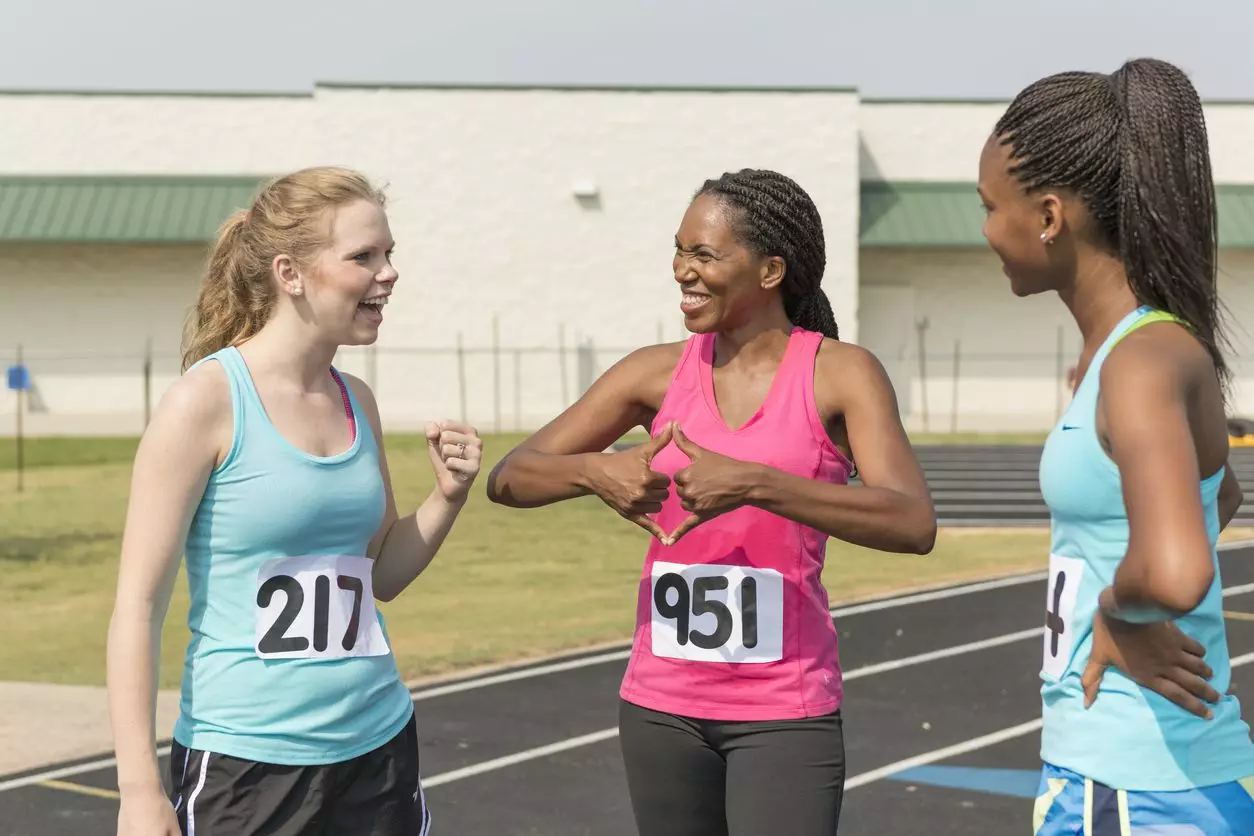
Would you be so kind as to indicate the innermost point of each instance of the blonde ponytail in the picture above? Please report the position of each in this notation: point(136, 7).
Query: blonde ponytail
point(288, 216)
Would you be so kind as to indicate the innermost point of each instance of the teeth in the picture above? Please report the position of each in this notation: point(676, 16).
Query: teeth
point(694, 299)
point(380, 301)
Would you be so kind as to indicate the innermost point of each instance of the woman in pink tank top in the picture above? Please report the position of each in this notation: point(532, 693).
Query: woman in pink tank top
point(730, 711)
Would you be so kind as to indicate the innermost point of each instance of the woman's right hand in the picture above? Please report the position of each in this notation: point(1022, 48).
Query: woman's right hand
point(147, 813)
point(626, 482)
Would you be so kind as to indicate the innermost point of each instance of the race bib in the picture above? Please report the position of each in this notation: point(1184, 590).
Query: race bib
point(718, 613)
point(1065, 575)
point(319, 607)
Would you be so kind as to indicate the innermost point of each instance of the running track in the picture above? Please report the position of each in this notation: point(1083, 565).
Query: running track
point(941, 727)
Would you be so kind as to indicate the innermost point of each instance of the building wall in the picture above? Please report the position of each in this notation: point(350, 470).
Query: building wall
point(84, 316)
point(942, 141)
point(1012, 354)
point(495, 248)
point(493, 244)
point(503, 238)
point(128, 134)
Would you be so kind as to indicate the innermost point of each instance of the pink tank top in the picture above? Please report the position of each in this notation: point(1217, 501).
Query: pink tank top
point(732, 622)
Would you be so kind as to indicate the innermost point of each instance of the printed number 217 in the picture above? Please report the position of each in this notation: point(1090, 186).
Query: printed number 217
point(274, 641)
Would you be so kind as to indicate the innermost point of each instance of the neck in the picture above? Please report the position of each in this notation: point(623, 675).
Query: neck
point(762, 337)
point(291, 349)
point(1098, 297)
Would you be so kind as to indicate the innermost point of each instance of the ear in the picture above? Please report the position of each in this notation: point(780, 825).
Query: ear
point(1052, 217)
point(287, 275)
point(773, 270)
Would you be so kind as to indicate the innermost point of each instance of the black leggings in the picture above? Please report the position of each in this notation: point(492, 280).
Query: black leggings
point(691, 777)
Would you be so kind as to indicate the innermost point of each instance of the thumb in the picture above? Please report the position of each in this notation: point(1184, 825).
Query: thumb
point(654, 445)
point(433, 446)
point(685, 445)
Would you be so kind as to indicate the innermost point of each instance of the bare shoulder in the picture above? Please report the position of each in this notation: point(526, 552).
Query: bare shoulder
point(193, 417)
point(654, 358)
point(841, 365)
point(202, 396)
point(1159, 355)
point(646, 372)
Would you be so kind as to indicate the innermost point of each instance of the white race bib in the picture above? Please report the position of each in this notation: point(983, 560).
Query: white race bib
point(1065, 575)
point(717, 613)
point(319, 607)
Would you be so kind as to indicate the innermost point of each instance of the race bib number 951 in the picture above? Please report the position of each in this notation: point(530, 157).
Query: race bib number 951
point(717, 613)
point(319, 607)
point(1065, 574)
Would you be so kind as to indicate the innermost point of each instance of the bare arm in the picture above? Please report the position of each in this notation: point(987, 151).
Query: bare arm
point(564, 459)
point(405, 546)
point(892, 509)
point(183, 443)
point(1168, 567)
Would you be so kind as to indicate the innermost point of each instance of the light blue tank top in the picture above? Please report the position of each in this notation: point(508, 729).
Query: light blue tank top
point(246, 691)
point(1131, 738)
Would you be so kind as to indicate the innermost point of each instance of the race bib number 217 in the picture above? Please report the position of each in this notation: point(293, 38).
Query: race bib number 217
point(319, 607)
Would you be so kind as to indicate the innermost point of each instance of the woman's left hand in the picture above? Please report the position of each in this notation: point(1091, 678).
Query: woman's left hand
point(711, 485)
point(456, 451)
point(1157, 656)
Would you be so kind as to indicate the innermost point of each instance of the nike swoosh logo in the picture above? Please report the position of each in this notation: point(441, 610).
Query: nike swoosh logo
point(1066, 427)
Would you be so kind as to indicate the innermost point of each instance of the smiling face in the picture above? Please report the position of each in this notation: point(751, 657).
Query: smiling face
point(724, 282)
point(1018, 226)
point(347, 282)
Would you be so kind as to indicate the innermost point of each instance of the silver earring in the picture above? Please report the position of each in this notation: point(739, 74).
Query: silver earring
point(298, 290)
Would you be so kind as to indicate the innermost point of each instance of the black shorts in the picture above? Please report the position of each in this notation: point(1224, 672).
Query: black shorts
point(690, 777)
point(375, 794)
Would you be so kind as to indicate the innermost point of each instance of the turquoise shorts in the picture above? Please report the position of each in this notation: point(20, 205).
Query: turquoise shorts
point(1068, 804)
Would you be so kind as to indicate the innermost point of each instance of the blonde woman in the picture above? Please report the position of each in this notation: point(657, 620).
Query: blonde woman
point(265, 466)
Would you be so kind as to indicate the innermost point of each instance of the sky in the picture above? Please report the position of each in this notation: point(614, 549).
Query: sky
point(893, 49)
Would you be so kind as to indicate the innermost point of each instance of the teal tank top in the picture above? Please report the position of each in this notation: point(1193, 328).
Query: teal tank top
point(288, 660)
point(1131, 738)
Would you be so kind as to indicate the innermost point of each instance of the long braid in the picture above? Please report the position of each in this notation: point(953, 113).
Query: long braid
point(1133, 146)
point(775, 216)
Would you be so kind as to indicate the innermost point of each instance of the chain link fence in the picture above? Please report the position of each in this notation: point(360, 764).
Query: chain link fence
point(517, 388)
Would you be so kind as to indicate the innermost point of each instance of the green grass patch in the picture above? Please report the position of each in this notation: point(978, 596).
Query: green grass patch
point(58, 451)
point(508, 584)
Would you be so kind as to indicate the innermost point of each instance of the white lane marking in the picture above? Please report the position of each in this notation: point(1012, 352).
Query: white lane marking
point(972, 745)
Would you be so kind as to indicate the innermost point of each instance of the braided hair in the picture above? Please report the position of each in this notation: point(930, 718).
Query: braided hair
point(774, 216)
point(1133, 146)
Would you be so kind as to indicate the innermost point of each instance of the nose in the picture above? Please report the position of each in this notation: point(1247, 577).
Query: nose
point(388, 275)
point(683, 269)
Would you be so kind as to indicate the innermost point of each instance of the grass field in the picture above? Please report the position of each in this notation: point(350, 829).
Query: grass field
point(508, 584)
point(54, 451)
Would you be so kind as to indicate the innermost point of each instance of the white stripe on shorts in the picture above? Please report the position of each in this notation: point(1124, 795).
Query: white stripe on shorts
point(191, 799)
point(187, 756)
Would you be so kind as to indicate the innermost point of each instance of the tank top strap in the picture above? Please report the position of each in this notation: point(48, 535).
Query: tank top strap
point(685, 381)
point(245, 399)
point(798, 370)
point(239, 384)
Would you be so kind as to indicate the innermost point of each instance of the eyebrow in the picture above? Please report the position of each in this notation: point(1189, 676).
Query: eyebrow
point(696, 246)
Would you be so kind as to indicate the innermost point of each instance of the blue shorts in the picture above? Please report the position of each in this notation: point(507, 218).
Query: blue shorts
point(1068, 804)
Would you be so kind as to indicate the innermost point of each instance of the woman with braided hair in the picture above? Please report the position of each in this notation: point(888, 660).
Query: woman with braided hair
point(730, 707)
point(1098, 187)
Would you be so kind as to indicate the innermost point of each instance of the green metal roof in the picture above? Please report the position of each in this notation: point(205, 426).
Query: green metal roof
point(919, 214)
point(119, 210)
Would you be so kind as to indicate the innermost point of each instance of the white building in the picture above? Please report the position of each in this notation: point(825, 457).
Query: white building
point(534, 229)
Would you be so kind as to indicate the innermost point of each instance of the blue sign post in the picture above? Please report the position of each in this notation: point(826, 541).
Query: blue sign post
point(18, 380)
